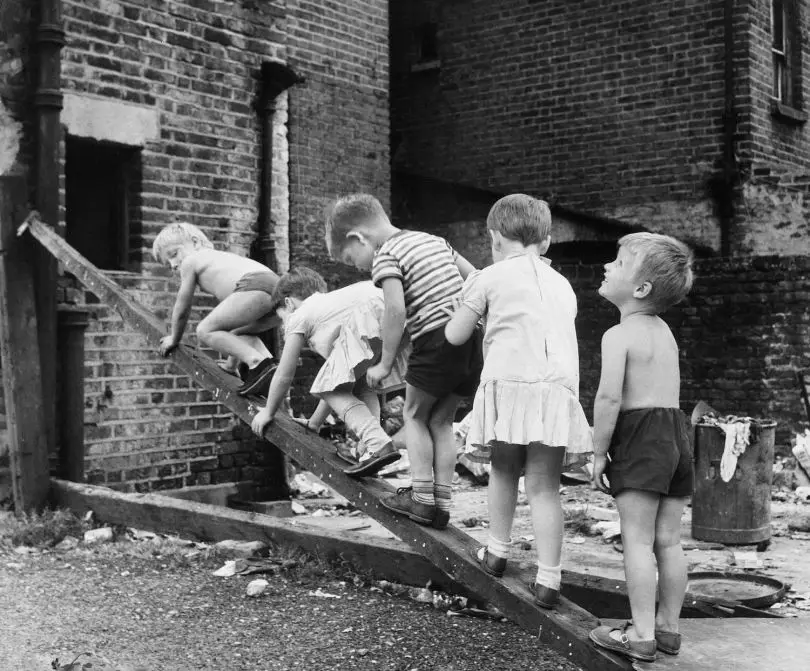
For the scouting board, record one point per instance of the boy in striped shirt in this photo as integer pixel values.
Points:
(421, 277)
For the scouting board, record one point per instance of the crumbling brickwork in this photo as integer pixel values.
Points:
(187, 73)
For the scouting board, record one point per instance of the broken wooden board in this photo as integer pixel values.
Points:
(737, 645)
(19, 352)
(565, 628)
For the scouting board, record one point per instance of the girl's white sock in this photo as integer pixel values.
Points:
(549, 576)
(498, 548)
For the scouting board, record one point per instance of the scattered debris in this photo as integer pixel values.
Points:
(308, 486)
(227, 570)
(244, 549)
(102, 535)
(141, 535)
(799, 523)
(298, 509)
(256, 587)
(67, 543)
(746, 559)
(608, 530)
(803, 494)
(576, 540)
(324, 595)
(471, 522)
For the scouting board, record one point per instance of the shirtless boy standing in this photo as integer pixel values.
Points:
(243, 289)
(639, 425)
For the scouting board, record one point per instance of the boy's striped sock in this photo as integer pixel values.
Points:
(423, 491)
(443, 494)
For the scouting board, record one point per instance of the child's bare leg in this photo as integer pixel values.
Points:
(543, 472)
(236, 310)
(368, 396)
(359, 418)
(440, 425)
(507, 463)
(672, 570)
(416, 413)
(638, 511)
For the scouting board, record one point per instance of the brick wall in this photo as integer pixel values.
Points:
(743, 332)
(339, 123)
(612, 108)
(193, 66)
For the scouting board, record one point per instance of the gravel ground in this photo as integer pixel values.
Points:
(136, 608)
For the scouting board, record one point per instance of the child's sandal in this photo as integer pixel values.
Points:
(495, 566)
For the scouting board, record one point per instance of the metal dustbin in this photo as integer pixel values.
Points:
(737, 512)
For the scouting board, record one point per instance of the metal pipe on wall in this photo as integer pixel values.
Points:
(49, 40)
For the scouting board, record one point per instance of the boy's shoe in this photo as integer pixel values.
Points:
(668, 642)
(442, 519)
(402, 503)
(490, 563)
(372, 463)
(346, 454)
(644, 651)
(258, 379)
(545, 597)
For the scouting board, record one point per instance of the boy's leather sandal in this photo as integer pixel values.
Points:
(667, 641)
(441, 519)
(345, 453)
(387, 454)
(403, 503)
(643, 651)
(490, 563)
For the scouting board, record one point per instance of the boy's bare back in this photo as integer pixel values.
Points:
(652, 377)
(218, 272)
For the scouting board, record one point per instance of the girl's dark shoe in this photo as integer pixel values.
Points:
(346, 454)
(442, 519)
(644, 651)
(387, 454)
(490, 563)
(545, 597)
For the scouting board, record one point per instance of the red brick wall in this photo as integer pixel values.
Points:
(196, 63)
(339, 123)
(607, 107)
(743, 332)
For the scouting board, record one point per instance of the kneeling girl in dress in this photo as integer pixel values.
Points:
(343, 327)
(526, 414)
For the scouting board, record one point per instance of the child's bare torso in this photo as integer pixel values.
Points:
(218, 272)
(652, 376)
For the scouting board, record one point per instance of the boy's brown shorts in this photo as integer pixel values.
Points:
(259, 281)
(650, 451)
(440, 369)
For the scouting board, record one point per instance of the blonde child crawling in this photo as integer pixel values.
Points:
(526, 414)
(243, 290)
(638, 424)
(343, 326)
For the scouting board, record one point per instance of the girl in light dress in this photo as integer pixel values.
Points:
(526, 414)
(343, 327)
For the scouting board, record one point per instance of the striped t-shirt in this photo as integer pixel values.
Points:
(426, 265)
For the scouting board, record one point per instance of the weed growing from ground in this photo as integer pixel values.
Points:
(42, 530)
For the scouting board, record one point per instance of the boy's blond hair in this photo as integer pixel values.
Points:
(664, 262)
(177, 234)
(350, 213)
(522, 218)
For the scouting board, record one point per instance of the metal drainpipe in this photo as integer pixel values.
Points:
(730, 172)
(49, 40)
(275, 79)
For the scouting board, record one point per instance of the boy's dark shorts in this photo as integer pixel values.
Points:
(259, 281)
(440, 369)
(651, 451)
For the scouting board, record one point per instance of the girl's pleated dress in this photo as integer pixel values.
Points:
(529, 391)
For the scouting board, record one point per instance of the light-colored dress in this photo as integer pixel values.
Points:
(343, 326)
(529, 391)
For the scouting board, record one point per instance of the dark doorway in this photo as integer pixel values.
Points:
(102, 199)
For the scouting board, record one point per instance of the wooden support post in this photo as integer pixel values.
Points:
(19, 355)
(565, 628)
(72, 323)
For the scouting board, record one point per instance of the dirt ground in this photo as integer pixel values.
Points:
(137, 607)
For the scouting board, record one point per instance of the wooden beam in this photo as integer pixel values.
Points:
(384, 558)
(565, 628)
(22, 384)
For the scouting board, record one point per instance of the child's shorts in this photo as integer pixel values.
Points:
(259, 281)
(650, 451)
(440, 369)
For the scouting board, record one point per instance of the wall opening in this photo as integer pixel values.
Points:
(103, 202)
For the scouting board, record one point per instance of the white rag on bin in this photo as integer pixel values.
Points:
(738, 437)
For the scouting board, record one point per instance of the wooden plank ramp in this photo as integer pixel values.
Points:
(564, 629)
